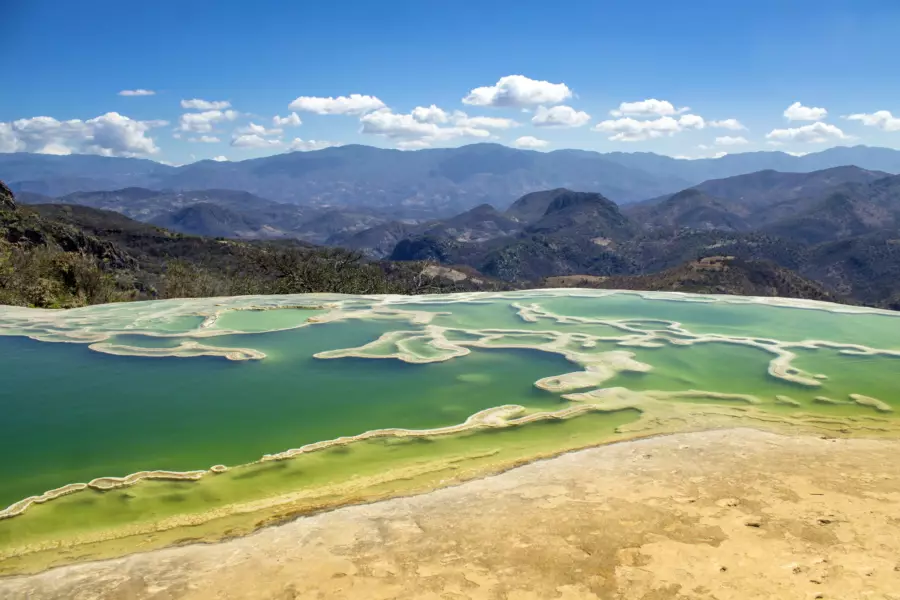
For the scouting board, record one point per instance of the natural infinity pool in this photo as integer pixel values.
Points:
(142, 424)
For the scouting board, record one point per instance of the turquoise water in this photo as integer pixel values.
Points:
(785, 324)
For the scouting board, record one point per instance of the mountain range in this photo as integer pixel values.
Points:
(221, 213)
(420, 184)
(64, 255)
(838, 226)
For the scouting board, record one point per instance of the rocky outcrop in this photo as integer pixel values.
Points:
(7, 202)
(26, 228)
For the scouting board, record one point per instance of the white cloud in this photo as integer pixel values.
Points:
(798, 112)
(517, 91)
(202, 122)
(197, 104)
(701, 156)
(732, 124)
(138, 92)
(220, 158)
(647, 108)
(354, 104)
(559, 116)
(413, 144)
(254, 129)
(814, 133)
(390, 124)
(111, 134)
(307, 145)
(252, 140)
(797, 154)
(461, 119)
(205, 139)
(432, 114)
(627, 129)
(882, 119)
(691, 122)
(531, 142)
(631, 130)
(292, 120)
(727, 140)
(411, 133)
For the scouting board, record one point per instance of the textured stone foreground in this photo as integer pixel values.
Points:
(729, 514)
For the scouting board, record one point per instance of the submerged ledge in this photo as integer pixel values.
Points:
(653, 406)
(184, 350)
(100, 484)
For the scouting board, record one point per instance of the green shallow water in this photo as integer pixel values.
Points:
(81, 414)
(160, 499)
(756, 320)
(71, 414)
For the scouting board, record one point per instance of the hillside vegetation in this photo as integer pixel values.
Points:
(57, 256)
(711, 275)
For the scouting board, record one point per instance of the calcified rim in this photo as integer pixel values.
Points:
(596, 368)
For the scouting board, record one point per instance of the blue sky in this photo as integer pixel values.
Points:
(723, 75)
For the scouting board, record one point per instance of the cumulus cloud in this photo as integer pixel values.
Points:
(307, 145)
(732, 124)
(518, 91)
(292, 120)
(256, 140)
(110, 134)
(700, 157)
(691, 122)
(254, 129)
(882, 119)
(559, 116)
(431, 114)
(202, 122)
(798, 112)
(137, 92)
(198, 104)
(814, 133)
(647, 108)
(220, 158)
(413, 144)
(531, 142)
(461, 119)
(408, 132)
(627, 129)
(205, 139)
(393, 125)
(354, 104)
(252, 140)
(727, 140)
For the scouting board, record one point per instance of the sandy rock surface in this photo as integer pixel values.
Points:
(726, 515)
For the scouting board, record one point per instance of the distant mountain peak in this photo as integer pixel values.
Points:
(567, 199)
